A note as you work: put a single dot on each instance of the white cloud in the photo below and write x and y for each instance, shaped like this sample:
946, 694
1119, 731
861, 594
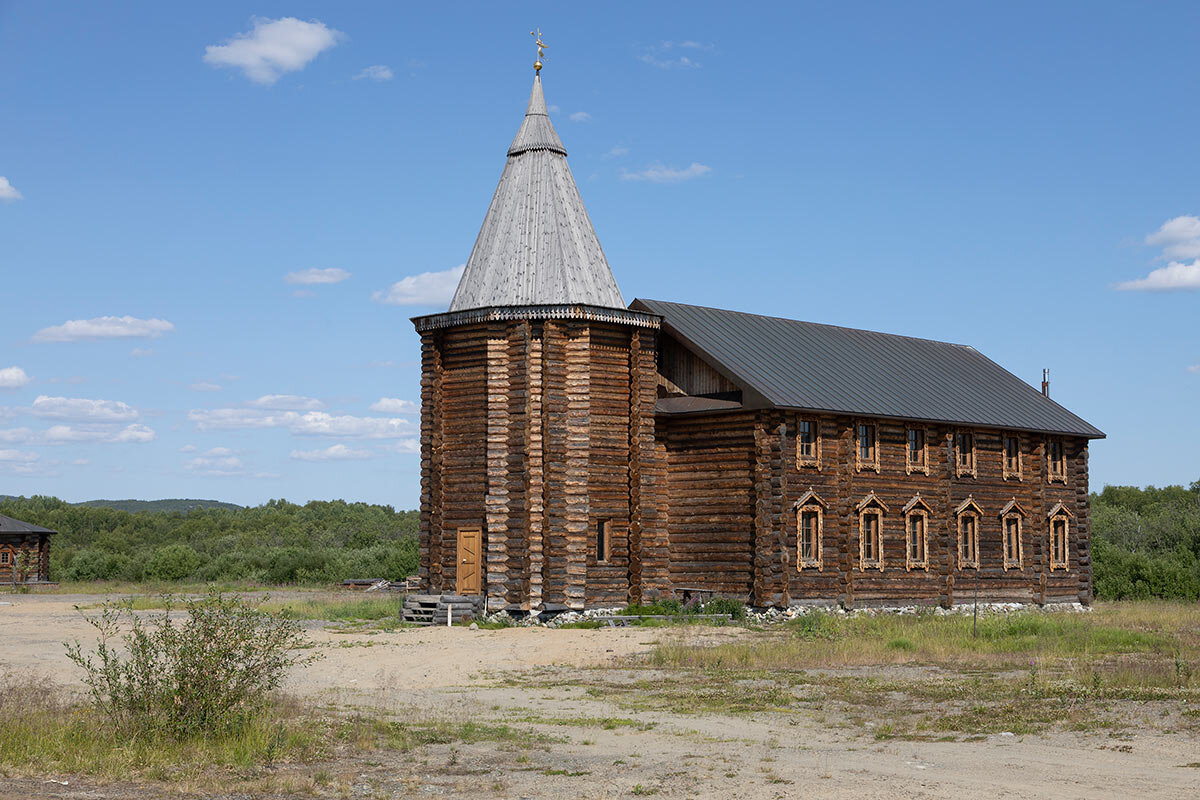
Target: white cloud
130, 434
104, 328
80, 462
79, 408
426, 289
273, 47
407, 446
314, 275
337, 452
1171, 278
1179, 238
203, 386
580, 116
8, 192
217, 452
394, 405
657, 173
216, 465
16, 435
188, 448
1194, 368
313, 423
286, 402
13, 378
663, 55
376, 72
17, 457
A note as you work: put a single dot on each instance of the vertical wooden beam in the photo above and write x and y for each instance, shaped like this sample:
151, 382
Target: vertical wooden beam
575, 488
496, 500
535, 471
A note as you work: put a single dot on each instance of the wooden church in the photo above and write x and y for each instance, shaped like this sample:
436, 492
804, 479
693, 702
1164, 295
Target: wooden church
579, 452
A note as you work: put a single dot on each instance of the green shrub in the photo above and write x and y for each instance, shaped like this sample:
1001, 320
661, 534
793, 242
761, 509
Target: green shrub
736, 609
172, 563
657, 608
210, 673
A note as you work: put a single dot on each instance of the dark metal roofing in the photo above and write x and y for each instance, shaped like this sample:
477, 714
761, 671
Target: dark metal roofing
805, 365
10, 525
690, 405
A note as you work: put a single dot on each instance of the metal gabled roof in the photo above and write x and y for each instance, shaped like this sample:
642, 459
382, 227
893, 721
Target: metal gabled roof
10, 525
537, 244
787, 363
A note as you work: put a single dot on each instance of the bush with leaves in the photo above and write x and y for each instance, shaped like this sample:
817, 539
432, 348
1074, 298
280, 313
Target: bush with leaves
210, 672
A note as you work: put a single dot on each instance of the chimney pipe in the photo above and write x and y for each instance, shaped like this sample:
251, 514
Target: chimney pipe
1046, 382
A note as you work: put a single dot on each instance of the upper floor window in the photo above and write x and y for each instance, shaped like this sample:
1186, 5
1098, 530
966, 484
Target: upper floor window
1056, 460
1010, 524
964, 453
603, 542
4, 557
916, 457
868, 446
1060, 534
808, 443
968, 514
1012, 456
870, 533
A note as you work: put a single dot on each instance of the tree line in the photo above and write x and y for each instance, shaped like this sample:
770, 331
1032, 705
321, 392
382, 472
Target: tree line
275, 543
1146, 542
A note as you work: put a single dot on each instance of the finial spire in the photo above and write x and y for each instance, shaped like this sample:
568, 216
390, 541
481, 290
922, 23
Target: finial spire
541, 46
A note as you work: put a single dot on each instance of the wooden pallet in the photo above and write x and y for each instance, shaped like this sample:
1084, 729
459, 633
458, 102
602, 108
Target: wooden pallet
432, 609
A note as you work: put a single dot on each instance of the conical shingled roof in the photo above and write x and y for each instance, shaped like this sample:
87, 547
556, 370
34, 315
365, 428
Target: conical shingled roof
537, 245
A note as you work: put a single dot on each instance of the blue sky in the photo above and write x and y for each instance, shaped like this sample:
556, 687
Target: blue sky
208, 212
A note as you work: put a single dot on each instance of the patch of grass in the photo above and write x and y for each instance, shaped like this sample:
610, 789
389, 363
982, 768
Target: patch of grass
352, 609
606, 723
566, 772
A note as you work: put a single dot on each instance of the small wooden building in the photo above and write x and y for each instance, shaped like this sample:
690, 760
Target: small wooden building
24, 552
579, 452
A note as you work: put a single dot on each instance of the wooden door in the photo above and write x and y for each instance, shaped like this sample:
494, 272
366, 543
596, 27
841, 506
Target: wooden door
468, 561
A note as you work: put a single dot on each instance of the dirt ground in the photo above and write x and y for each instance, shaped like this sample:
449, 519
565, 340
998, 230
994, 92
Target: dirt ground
539, 679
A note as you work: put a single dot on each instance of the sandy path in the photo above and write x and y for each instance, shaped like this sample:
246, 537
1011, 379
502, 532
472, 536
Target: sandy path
451, 674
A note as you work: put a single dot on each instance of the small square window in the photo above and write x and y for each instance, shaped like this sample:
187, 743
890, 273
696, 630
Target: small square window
4, 557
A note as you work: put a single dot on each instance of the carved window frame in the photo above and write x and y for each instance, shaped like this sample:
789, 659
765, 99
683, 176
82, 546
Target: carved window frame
871, 506
971, 467
860, 463
1010, 473
909, 466
1010, 513
1056, 473
811, 461
1060, 514
810, 503
969, 509
916, 509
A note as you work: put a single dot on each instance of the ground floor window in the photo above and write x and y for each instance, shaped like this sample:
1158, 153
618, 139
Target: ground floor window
1059, 558
809, 531
917, 521
969, 514
1012, 541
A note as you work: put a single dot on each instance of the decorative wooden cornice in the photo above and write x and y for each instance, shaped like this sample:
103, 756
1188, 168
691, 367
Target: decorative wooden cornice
618, 316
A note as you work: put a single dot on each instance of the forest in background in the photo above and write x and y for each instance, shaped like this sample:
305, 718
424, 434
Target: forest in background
276, 543
1146, 542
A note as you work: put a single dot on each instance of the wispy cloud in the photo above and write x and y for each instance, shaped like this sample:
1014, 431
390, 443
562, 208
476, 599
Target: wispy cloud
1194, 368
286, 402
99, 434
376, 72
313, 423
314, 275
77, 330
665, 55
8, 192
204, 386
657, 173
406, 446
273, 47
580, 116
17, 457
394, 405
141, 352
426, 289
617, 151
13, 378
82, 409
337, 452
1179, 238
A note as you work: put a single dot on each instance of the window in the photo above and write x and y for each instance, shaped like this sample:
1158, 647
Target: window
1059, 536
964, 454
868, 447
968, 534
809, 513
1056, 460
915, 456
1012, 541
808, 443
4, 557
870, 532
603, 544
916, 539
1012, 457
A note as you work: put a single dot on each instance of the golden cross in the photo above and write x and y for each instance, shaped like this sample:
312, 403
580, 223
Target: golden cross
541, 46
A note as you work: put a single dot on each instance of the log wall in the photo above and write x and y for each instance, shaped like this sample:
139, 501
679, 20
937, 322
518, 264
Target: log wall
35, 544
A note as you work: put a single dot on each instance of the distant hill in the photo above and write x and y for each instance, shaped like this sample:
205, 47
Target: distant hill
157, 505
